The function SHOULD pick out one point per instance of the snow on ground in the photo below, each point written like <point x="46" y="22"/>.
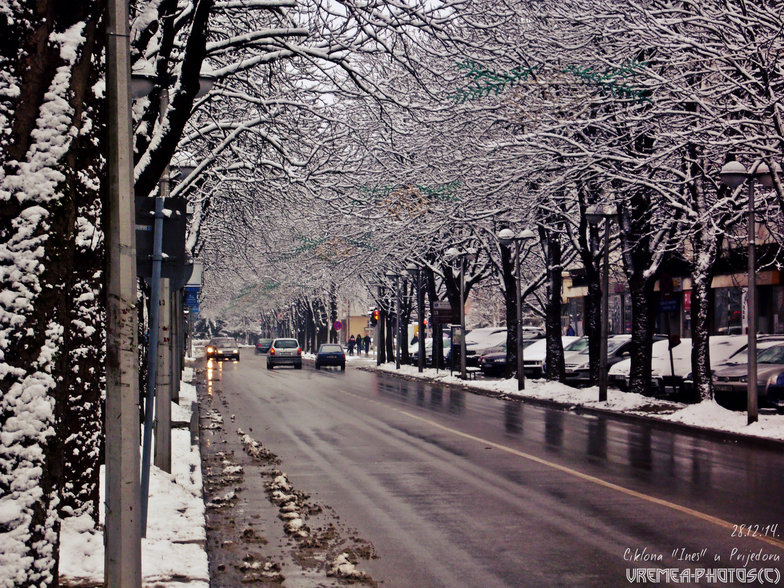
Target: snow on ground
<point x="174" y="553"/>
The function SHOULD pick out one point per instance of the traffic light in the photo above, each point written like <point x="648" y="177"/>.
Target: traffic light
<point x="374" y="317"/>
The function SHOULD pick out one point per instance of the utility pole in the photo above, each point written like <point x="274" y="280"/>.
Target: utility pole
<point x="164" y="382"/>
<point x="122" y="533"/>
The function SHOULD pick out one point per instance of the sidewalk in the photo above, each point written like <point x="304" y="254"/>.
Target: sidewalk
<point x="173" y="553"/>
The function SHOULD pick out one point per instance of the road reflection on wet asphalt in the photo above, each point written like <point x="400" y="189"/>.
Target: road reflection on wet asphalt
<point x="458" y="489"/>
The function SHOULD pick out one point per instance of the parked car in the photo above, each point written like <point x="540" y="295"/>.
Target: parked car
<point x="331" y="354"/>
<point x="414" y="350"/>
<point x="670" y="377"/>
<point x="222" y="348"/>
<point x="479" y="341"/>
<point x="578" y="366"/>
<point x="535" y="354"/>
<point x="730" y="381"/>
<point x="284" y="352"/>
<point x="263" y="345"/>
<point x="730" y="351"/>
<point x="493" y="362"/>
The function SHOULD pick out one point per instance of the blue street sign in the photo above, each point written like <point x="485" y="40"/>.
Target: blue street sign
<point x="192" y="297"/>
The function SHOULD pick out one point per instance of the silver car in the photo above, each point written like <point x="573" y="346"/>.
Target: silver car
<point x="729" y="382"/>
<point x="284" y="352"/>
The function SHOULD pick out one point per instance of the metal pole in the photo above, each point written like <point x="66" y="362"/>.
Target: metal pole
<point x="152" y="357"/>
<point x="122" y="539"/>
<point x="420" y="304"/>
<point x="162" y="455"/>
<point x="462" y="320"/>
<point x="379" y="342"/>
<point x="605" y="314"/>
<point x="520" y="372"/>
<point x="752" y="322"/>
<point x="397" y="322"/>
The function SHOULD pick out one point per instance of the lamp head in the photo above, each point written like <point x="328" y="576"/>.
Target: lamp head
<point x="451" y="254"/>
<point x="594" y="214"/>
<point x="506" y="236"/>
<point x="733" y="174"/>
<point x="764" y="174"/>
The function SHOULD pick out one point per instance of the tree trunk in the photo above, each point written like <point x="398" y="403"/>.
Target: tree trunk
<point x="554" y="365"/>
<point x="643" y="318"/>
<point x="438" y="340"/>
<point x="390" y="340"/>
<point x="554" y="368"/>
<point x="45" y="123"/>
<point x="381" y="343"/>
<point x="510" y="298"/>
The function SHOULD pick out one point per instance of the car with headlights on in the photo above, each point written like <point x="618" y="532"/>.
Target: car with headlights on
<point x="331" y="354"/>
<point x="222" y="348"/>
<point x="730" y="382"/>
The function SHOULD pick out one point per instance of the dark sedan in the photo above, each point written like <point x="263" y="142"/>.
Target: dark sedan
<point x="493" y="362"/>
<point x="331" y="354"/>
<point x="263" y="346"/>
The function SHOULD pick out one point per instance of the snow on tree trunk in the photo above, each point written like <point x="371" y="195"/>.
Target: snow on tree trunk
<point x="700" y="324"/>
<point x="44" y="87"/>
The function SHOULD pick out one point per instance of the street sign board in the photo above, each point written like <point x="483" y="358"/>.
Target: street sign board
<point x="192" y="296"/>
<point x="174" y="225"/>
<point x="337" y="325"/>
<point x="442" y="312"/>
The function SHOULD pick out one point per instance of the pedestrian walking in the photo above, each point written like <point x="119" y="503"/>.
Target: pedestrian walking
<point x="367" y="344"/>
<point x="351" y="343"/>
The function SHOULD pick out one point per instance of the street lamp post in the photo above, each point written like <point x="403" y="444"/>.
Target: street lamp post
<point x="594" y="215"/>
<point x="733" y="174"/>
<point x="506" y="237"/>
<point x="379" y="342"/>
<point x="450" y="255"/>
<point x="395" y="278"/>
<point x="416" y="272"/>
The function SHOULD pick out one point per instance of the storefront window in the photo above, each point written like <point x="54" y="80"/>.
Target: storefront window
<point x="728" y="311"/>
<point x="777" y="308"/>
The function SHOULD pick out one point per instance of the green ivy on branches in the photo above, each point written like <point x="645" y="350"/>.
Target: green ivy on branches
<point x="609" y="81"/>
<point x="488" y="81"/>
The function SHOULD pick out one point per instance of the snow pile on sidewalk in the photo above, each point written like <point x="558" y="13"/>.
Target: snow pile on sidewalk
<point x="173" y="553"/>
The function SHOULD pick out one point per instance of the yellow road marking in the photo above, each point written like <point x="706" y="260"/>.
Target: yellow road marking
<point x="594" y="480"/>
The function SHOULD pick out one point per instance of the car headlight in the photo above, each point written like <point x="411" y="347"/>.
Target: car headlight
<point x="235" y="350"/>
<point x="210" y="349"/>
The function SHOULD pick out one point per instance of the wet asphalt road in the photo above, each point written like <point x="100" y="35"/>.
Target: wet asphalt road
<point x="456" y="489"/>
